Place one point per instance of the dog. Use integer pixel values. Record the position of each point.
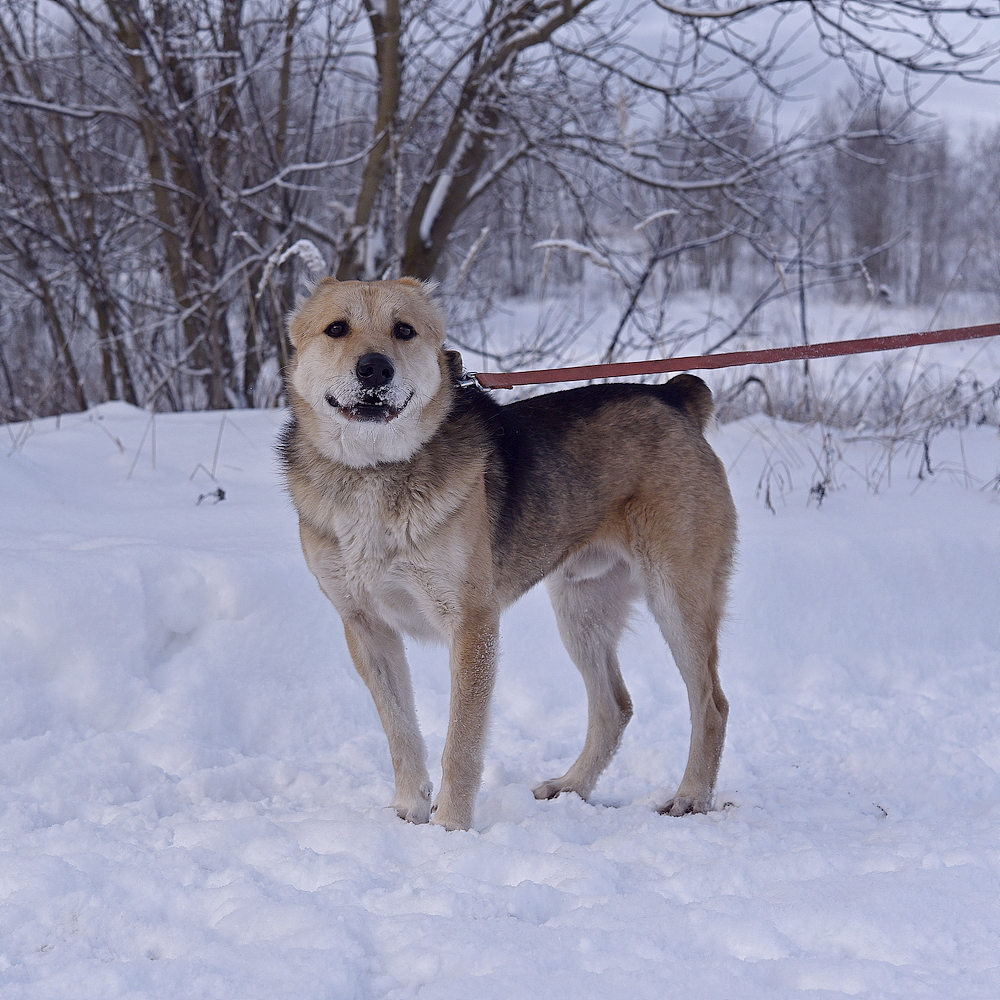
(426, 508)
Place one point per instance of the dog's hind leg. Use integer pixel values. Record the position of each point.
(378, 654)
(689, 622)
(592, 611)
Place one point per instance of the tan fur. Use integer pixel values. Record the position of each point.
(426, 509)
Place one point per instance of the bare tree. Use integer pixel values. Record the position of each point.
(158, 159)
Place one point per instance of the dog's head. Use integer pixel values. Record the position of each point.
(370, 373)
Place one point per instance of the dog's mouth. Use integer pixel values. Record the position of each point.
(369, 409)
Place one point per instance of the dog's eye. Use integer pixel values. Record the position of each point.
(403, 331)
(337, 329)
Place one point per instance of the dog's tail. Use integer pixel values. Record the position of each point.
(690, 394)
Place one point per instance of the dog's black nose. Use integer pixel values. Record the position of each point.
(374, 370)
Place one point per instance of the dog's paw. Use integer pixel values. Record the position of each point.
(681, 805)
(451, 818)
(555, 786)
(414, 808)
(418, 813)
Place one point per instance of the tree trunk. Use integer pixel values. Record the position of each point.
(385, 29)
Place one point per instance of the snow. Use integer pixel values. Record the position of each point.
(441, 187)
(195, 780)
(574, 247)
(311, 257)
(434, 203)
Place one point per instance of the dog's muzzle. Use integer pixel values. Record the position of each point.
(374, 372)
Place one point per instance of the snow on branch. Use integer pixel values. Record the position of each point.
(573, 247)
(292, 168)
(714, 14)
(441, 187)
(663, 213)
(62, 109)
(306, 251)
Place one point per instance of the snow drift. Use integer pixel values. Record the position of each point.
(195, 780)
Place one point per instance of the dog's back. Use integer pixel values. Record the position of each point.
(574, 467)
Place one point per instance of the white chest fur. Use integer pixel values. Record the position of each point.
(397, 550)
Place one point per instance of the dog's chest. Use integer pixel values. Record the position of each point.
(393, 537)
(373, 528)
(398, 558)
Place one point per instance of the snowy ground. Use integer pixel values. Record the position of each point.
(194, 779)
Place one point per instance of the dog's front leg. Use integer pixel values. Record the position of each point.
(473, 668)
(377, 651)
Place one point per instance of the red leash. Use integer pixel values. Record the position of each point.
(832, 349)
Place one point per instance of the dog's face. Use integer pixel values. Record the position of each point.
(370, 369)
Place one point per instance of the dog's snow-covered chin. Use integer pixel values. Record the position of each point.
(362, 443)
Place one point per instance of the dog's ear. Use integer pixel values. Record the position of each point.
(292, 330)
(427, 287)
(307, 288)
(313, 281)
(456, 369)
(294, 320)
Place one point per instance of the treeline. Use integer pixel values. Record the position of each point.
(169, 171)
